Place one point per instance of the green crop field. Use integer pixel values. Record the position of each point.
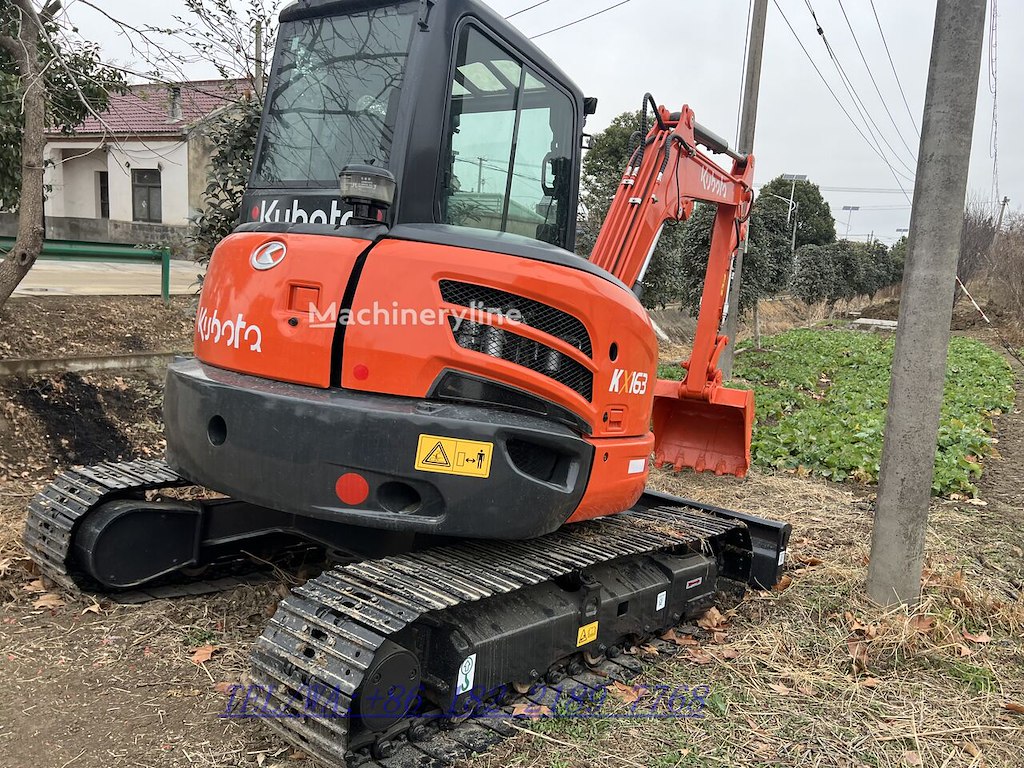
(821, 399)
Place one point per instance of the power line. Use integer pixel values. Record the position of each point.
(838, 102)
(899, 85)
(874, 82)
(585, 18)
(528, 8)
(858, 102)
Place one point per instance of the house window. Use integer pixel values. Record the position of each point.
(103, 196)
(146, 204)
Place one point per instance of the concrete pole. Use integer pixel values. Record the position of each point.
(1002, 209)
(748, 119)
(259, 59)
(926, 305)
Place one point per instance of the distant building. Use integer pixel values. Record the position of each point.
(145, 161)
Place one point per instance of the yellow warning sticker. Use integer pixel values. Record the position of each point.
(452, 456)
(587, 634)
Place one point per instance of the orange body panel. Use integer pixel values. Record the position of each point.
(406, 359)
(259, 322)
(617, 478)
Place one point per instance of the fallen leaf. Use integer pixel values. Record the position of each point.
(719, 637)
(982, 638)
(729, 653)
(810, 560)
(623, 692)
(648, 650)
(298, 754)
(698, 656)
(977, 502)
(49, 600)
(1013, 706)
(35, 586)
(910, 757)
(712, 620)
(855, 624)
(859, 653)
(780, 688)
(971, 748)
(225, 687)
(94, 608)
(921, 623)
(805, 689)
(868, 682)
(531, 711)
(261, 758)
(964, 651)
(203, 654)
(674, 637)
(783, 584)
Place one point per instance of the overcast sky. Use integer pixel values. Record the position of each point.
(691, 51)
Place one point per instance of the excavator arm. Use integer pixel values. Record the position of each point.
(698, 422)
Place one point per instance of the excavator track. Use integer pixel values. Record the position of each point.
(54, 513)
(326, 635)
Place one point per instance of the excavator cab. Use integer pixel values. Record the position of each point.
(492, 144)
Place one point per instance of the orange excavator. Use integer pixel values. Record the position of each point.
(399, 359)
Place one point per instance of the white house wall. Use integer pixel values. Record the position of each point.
(73, 177)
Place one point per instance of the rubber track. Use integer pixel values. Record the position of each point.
(54, 512)
(328, 630)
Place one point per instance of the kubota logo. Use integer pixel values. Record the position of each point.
(712, 183)
(268, 255)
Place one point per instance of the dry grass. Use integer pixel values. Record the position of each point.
(817, 675)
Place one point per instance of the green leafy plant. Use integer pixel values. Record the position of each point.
(821, 399)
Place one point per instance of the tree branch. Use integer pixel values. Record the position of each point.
(11, 46)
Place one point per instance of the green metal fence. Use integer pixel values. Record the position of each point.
(77, 250)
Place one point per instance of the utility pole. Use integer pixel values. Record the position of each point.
(259, 59)
(926, 305)
(999, 228)
(748, 119)
(1002, 209)
(480, 174)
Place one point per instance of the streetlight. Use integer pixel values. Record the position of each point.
(851, 209)
(901, 230)
(794, 178)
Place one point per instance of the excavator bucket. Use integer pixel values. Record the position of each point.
(706, 435)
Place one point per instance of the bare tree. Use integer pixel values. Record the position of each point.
(25, 51)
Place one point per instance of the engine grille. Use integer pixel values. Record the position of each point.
(553, 321)
(505, 345)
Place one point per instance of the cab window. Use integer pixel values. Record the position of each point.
(509, 148)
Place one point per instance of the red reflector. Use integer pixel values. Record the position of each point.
(361, 372)
(352, 489)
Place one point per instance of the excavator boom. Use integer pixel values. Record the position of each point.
(698, 422)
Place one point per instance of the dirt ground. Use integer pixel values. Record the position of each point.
(809, 675)
(56, 326)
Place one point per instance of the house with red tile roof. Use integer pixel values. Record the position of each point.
(145, 159)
